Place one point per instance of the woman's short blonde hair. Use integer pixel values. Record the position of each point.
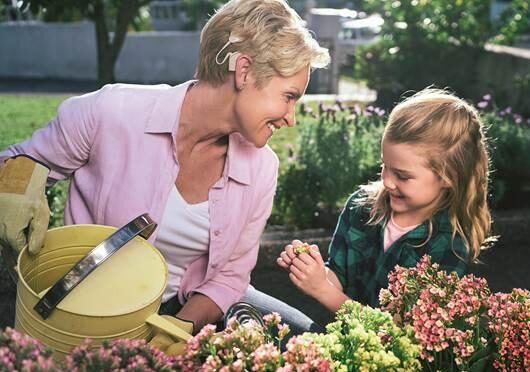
(271, 33)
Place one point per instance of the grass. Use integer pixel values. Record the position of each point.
(21, 115)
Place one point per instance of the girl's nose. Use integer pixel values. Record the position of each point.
(387, 181)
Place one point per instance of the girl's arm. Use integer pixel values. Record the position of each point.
(310, 275)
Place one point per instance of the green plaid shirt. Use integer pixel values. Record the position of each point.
(357, 257)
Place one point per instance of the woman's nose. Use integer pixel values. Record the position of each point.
(290, 117)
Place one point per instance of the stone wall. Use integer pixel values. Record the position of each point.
(67, 51)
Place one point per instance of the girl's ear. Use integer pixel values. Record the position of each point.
(241, 68)
(445, 183)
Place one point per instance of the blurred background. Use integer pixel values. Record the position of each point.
(381, 52)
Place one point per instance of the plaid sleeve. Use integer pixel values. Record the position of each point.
(337, 253)
(451, 254)
(338, 248)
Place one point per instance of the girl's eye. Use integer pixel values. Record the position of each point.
(402, 177)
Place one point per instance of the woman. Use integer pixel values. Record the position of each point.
(193, 156)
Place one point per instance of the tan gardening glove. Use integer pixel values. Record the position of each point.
(24, 211)
(168, 344)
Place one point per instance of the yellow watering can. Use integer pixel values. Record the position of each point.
(92, 281)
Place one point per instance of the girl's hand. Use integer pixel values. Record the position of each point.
(288, 255)
(308, 273)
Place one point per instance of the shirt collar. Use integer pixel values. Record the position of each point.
(238, 158)
(440, 223)
(164, 118)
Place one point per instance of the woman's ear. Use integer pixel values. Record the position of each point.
(241, 66)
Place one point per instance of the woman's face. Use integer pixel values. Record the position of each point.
(261, 112)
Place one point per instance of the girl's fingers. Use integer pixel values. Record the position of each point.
(305, 258)
(295, 280)
(315, 253)
(297, 272)
(282, 263)
(289, 250)
(285, 257)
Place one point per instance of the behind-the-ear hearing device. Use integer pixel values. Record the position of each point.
(234, 39)
(232, 61)
(232, 56)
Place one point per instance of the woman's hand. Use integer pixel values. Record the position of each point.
(288, 255)
(308, 272)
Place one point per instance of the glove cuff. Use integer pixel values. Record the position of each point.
(186, 325)
(23, 175)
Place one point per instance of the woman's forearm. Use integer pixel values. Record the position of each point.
(201, 310)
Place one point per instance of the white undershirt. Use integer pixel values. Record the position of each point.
(183, 236)
(393, 232)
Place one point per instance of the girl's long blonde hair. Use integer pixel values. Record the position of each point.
(452, 137)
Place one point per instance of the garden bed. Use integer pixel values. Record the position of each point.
(505, 266)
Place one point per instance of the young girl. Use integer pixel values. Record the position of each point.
(431, 199)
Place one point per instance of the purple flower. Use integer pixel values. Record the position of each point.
(482, 104)
(486, 97)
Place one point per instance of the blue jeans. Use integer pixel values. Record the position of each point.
(298, 322)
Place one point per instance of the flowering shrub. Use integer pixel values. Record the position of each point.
(428, 319)
(510, 141)
(250, 347)
(118, 355)
(509, 320)
(23, 353)
(366, 339)
(445, 312)
(19, 352)
(337, 149)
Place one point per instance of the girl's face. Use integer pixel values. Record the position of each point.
(260, 112)
(413, 187)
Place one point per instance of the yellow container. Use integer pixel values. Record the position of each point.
(119, 299)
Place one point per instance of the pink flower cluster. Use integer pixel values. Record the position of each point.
(118, 355)
(250, 347)
(509, 315)
(304, 355)
(444, 311)
(19, 352)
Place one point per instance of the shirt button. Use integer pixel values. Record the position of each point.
(217, 232)
(213, 266)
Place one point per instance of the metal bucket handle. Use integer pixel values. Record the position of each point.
(141, 226)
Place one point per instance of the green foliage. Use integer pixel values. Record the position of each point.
(366, 339)
(56, 200)
(510, 156)
(514, 21)
(447, 22)
(198, 11)
(428, 43)
(337, 151)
